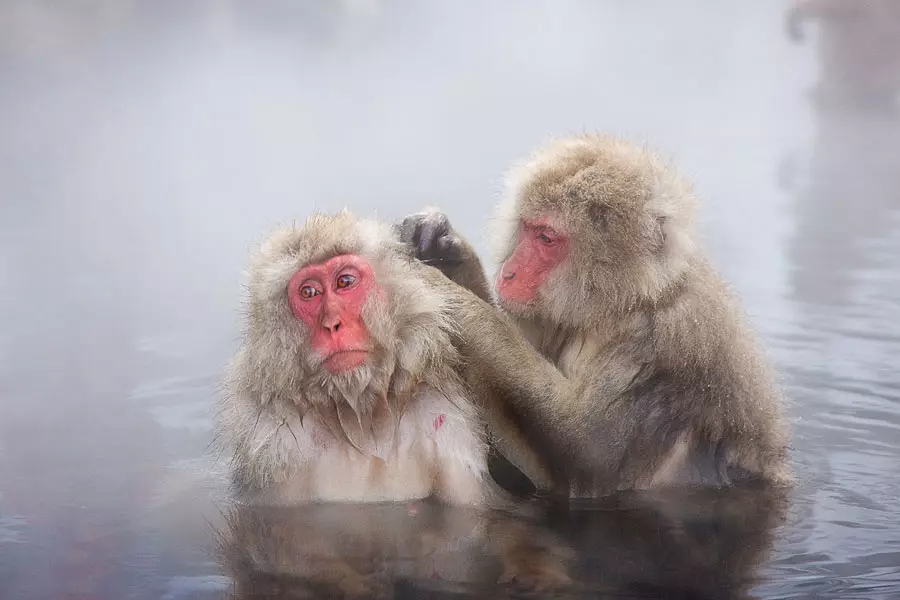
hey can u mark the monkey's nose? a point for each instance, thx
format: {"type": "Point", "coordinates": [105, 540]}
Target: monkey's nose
{"type": "Point", "coordinates": [332, 325]}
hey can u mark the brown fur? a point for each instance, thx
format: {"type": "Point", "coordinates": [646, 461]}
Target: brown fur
{"type": "Point", "coordinates": [648, 373]}
{"type": "Point", "coordinates": [297, 433]}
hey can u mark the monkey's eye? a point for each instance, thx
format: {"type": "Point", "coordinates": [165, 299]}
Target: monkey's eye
{"type": "Point", "coordinates": [345, 281]}
{"type": "Point", "coordinates": [545, 237]}
{"type": "Point", "coordinates": [308, 291]}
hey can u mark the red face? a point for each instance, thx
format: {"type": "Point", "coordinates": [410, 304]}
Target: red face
{"type": "Point", "coordinates": [329, 297]}
{"type": "Point", "coordinates": [539, 250]}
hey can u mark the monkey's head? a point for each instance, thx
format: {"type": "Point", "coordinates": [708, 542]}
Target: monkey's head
{"type": "Point", "coordinates": [591, 225]}
{"type": "Point", "coordinates": [336, 313]}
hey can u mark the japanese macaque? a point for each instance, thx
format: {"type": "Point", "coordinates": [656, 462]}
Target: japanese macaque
{"type": "Point", "coordinates": [348, 390]}
{"type": "Point", "coordinates": [636, 368]}
{"type": "Point", "coordinates": [346, 387]}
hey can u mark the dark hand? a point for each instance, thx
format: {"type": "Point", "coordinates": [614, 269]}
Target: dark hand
{"type": "Point", "coordinates": [436, 244]}
{"type": "Point", "coordinates": [432, 237]}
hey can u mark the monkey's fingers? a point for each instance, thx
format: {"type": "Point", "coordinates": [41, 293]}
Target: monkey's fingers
{"type": "Point", "coordinates": [408, 230]}
{"type": "Point", "coordinates": [431, 236]}
{"type": "Point", "coordinates": [434, 228]}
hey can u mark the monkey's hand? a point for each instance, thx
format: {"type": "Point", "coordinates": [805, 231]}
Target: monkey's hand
{"type": "Point", "coordinates": [433, 238]}
{"type": "Point", "coordinates": [436, 243]}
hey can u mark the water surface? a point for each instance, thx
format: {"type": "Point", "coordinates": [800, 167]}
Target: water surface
{"type": "Point", "coordinates": [147, 146]}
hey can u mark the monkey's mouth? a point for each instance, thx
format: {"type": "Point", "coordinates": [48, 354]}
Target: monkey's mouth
{"type": "Point", "coordinates": [345, 360]}
{"type": "Point", "coordinates": [515, 305]}
{"type": "Point", "coordinates": [512, 293]}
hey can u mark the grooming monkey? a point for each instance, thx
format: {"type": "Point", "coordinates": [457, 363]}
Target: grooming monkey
{"type": "Point", "coordinates": [639, 369]}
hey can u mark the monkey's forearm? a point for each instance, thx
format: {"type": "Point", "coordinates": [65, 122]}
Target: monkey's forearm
{"type": "Point", "coordinates": [509, 440]}
{"type": "Point", "coordinates": [572, 424]}
{"type": "Point", "coordinates": [559, 416]}
{"type": "Point", "coordinates": [467, 271]}
{"type": "Point", "coordinates": [436, 244]}
{"type": "Point", "coordinates": [573, 435]}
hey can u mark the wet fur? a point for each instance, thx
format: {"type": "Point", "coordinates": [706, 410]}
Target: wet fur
{"type": "Point", "coordinates": [297, 433]}
{"type": "Point", "coordinates": [648, 374]}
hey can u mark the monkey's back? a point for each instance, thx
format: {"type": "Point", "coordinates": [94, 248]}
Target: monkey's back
{"type": "Point", "coordinates": [714, 384]}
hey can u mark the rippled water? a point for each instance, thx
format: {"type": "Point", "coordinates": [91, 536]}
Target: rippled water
{"type": "Point", "coordinates": [146, 146]}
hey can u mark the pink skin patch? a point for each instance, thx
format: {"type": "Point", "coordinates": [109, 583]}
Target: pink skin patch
{"type": "Point", "coordinates": [328, 297]}
{"type": "Point", "coordinates": [439, 422]}
{"type": "Point", "coordinates": [540, 249]}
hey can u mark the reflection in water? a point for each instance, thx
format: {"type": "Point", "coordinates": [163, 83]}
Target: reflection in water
{"type": "Point", "coordinates": [365, 551]}
{"type": "Point", "coordinates": [704, 544]}
{"type": "Point", "coordinates": [146, 145]}
{"type": "Point", "coordinates": [698, 545]}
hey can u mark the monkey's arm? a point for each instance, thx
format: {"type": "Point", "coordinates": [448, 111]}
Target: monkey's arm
{"type": "Point", "coordinates": [577, 426]}
{"type": "Point", "coordinates": [436, 244]}
{"type": "Point", "coordinates": [503, 432]}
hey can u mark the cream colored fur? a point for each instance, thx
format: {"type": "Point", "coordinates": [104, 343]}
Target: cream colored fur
{"type": "Point", "coordinates": [402, 427]}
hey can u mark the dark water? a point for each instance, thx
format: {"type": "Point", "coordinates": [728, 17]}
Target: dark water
{"type": "Point", "coordinates": [146, 146]}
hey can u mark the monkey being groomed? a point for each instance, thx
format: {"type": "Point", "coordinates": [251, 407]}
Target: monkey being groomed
{"type": "Point", "coordinates": [348, 389]}
{"type": "Point", "coordinates": [345, 387]}
{"type": "Point", "coordinates": [618, 351]}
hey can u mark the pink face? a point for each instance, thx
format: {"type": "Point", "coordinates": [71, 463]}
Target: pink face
{"type": "Point", "coordinates": [539, 250]}
{"type": "Point", "coordinates": [328, 297]}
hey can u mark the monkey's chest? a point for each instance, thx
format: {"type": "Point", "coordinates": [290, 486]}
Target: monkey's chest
{"type": "Point", "coordinates": [429, 442]}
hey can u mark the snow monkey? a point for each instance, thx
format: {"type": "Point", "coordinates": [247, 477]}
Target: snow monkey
{"type": "Point", "coordinates": [348, 390]}
{"type": "Point", "coordinates": [618, 350]}
{"type": "Point", "coordinates": [347, 385]}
